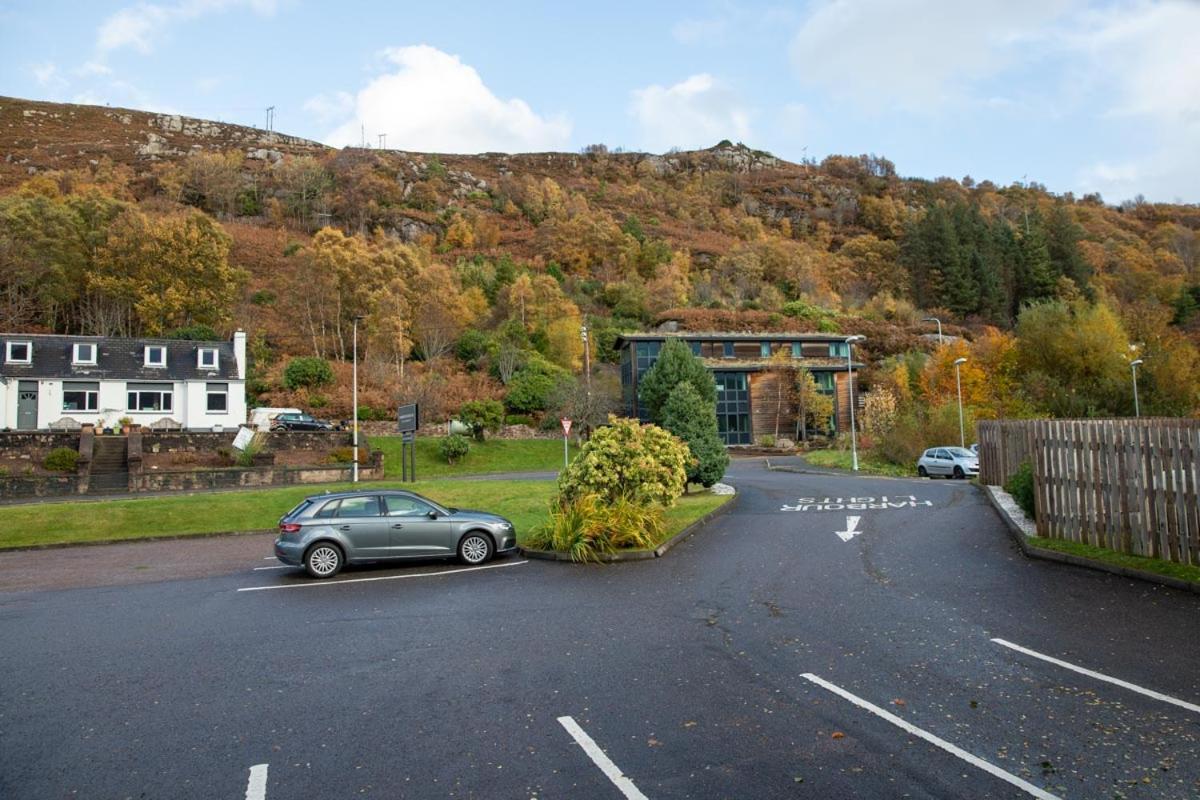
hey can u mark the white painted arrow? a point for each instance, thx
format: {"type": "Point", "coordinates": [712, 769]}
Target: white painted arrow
{"type": "Point", "coordinates": [850, 532]}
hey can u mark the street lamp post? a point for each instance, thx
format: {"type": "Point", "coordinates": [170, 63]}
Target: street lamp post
{"type": "Point", "coordinates": [962, 431]}
{"type": "Point", "coordinates": [587, 359]}
{"type": "Point", "coordinates": [1133, 365]}
{"type": "Point", "coordinates": [939, 324]}
{"type": "Point", "coordinates": [354, 379]}
{"type": "Point", "coordinates": [850, 340]}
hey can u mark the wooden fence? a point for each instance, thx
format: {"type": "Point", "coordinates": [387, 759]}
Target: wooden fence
{"type": "Point", "coordinates": [1127, 485]}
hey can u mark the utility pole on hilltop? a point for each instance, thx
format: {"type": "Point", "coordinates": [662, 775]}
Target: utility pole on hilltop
{"type": "Point", "coordinates": [270, 118]}
{"type": "Point", "coordinates": [382, 141]}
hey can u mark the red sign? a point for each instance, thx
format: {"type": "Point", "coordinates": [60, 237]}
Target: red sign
{"type": "Point", "coordinates": [566, 423]}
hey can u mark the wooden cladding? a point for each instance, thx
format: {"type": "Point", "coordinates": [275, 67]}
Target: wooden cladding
{"type": "Point", "coordinates": [1127, 485]}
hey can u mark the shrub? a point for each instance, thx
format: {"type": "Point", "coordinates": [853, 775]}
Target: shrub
{"type": "Point", "coordinates": [1020, 486]}
{"type": "Point", "coordinates": [534, 386]}
{"type": "Point", "coordinates": [766, 440]}
{"type": "Point", "coordinates": [342, 455]}
{"type": "Point", "coordinates": [675, 365]}
{"type": "Point", "coordinates": [196, 333]}
{"type": "Point", "coordinates": [453, 447]}
{"type": "Point", "coordinates": [519, 419]}
{"type": "Point", "coordinates": [317, 401]}
{"type": "Point", "coordinates": [626, 459]}
{"type": "Point", "coordinates": [588, 525]}
{"type": "Point", "coordinates": [245, 457]}
{"type": "Point", "coordinates": [694, 421]}
{"type": "Point", "coordinates": [482, 415]}
{"type": "Point", "coordinates": [61, 459]}
{"type": "Point", "coordinates": [472, 346]}
{"type": "Point", "coordinates": [307, 372]}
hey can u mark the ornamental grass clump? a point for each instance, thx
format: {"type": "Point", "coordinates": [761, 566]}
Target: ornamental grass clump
{"type": "Point", "coordinates": [588, 525]}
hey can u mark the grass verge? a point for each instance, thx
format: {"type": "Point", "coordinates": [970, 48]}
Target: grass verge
{"type": "Point", "coordinates": [524, 502]}
{"type": "Point", "coordinates": [867, 462]}
{"type": "Point", "coordinates": [689, 509]}
{"type": "Point", "coordinates": [492, 455]}
{"type": "Point", "coordinates": [1157, 566]}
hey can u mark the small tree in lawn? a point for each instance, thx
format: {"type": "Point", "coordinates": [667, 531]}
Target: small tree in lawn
{"type": "Point", "coordinates": [482, 415]}
{"type": "Point", "coordinates": [812, 405]}
{"type": "Point", "coordinates": [675, 365]}
{"type": "Point", "coordinates": [689, 417]}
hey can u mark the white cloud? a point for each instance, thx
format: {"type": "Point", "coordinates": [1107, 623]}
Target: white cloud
{"type": "Point", "coordinates": [916, 55]}
{"type": "Point", "coordinates": [47, 75]}
{"type": "Point", "coordinates": [696, 112]}
{"type": "Point", "coordinates": [141, 26]}
{"type": "Point", "coordinates": [433, 102]}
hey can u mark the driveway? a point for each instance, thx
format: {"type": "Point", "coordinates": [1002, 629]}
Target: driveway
{"type": "Point", "coordinates": [786, 651]}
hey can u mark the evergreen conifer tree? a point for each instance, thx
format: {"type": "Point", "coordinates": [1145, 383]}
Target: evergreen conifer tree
{"type": "Point", "coordinates": [694, 420]}
{"type": "Point", "coordinates": [675, 365]}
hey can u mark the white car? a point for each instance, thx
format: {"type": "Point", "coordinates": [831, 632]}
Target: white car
{"type": "Point", "coordinates": [948, 462]}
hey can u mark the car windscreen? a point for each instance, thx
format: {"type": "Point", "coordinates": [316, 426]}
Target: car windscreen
{"type": "Point", "coordinates": [960, 452]}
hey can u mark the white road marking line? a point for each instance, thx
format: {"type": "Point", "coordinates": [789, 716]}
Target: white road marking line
{"type": "Point", "coordinates": [975, 761]}
{"type": "Point", "coordinates": [279, 566]}
{"type": "Point", "coordinates": [1115, 681]}
{"type": "Point", "coordinates": [256, 787]}
{"type": "Point", "coordinates": [380, 578]}
{"type": "Point", "coordinates": [268, 558]}
{"type": "Point", "coordinates": [601, 760]}
{"type": "Point", "coordinates": [851, 529]}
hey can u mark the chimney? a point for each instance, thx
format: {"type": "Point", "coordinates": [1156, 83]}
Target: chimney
{"type": "Point", "coordinates": [239, 352]}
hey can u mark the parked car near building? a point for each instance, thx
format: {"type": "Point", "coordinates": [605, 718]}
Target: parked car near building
{"type": "Point", "coordinates": [299, 422]}
{"type": "Point", "coordinates": [948, 462]}
{"type": "Point", "coordinates": [326, 531]}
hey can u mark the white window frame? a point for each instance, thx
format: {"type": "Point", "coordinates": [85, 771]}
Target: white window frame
{"type": "Point", "coordinates": [160, 347]}
{"type": "Point", "coordinates": [211, 389]}
{"type": "Point", "coordinates": [216, 358]}
{"type": "Point", "coordinates": [8, 353]}
{"type": "Point", "coordinates": [91, 398]}
{"type": "Point", "coordinates": [167, 407]}
{"type": "Point", "coordinates": [76, 359]}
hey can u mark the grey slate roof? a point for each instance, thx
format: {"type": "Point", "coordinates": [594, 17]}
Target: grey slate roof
{"type": "Point", "coordinates": [116, 359]}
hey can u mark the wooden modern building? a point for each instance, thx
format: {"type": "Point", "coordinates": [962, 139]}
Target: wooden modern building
{"type": "Point", "coordinates": [747, 378]}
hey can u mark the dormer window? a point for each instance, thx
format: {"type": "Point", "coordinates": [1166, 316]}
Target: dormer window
{"type": "Point", "coordinates": [84, 354]}
{"type": "Point", "coordinates": [156, 355]}
{"type": "Point", "coordinates": [19, 353]}
{"type": "Point", "coordinates": [207, 358]}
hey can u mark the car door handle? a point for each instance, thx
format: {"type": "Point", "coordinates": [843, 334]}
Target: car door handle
{"type": "Point", "coordinates": [344, 528]}
{"type": "Point", "coordinates": [397, 525]}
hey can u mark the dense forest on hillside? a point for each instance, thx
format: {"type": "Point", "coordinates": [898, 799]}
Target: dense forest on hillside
{"type": "Point", "coordinates": [474, 274]}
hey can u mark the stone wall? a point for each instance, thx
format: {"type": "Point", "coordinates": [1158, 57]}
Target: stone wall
{"type": "Point", "coordinates": [207, 442]}
{"type": "Point", "coordinates": [207, 479]}
{"type": "Point", "coordinates": [34, 445]}
{"type": "Point", "coordinates": [13, 486]}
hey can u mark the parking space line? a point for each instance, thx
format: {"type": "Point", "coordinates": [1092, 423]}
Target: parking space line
{"type": "Point", "coordinates": [1100, 677]}
{"type": "Point", "coordinates": [601, 760]}
{"type": "Point", "coordinates": [256, 787]}
{"type": "Point", "coordinates": [278, 566]}
{"type": "Point", "coordinates": [312, 584]}
{"type": "Point", "coordinates": [953, 750]}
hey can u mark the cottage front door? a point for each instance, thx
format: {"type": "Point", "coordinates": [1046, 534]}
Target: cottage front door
{"type": "Point", "coordinates": [27, 400]}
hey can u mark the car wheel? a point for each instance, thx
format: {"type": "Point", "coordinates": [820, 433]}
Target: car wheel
{"type": "Point", "coordinates": [924, 473]}
{"type": "Point", "coordinates": [277, 428]}
{"type": "Point", "coordinates": [323, 560]}
{"type": "Point", "coordinates": [475, 548]}
{"type": "Point", "coordinates": [959, 474]}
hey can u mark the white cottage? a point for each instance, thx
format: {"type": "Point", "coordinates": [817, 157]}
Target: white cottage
{"type": "Point", "coordinates": [65, 381]}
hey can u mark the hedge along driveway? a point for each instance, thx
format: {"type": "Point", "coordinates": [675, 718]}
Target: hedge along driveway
{"type": "Point", "coordinates": [524, 502]}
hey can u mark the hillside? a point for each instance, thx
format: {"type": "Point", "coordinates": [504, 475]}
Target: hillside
{"type": "Point", "coordinates": [485, 266]}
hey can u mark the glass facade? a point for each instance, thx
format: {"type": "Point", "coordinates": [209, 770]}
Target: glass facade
{"type": "Point", "coordinates": [733, 407]}
{"type": "Point", "coordinates": [647, 354]}
{"type": "Point", "coordinates": [627, 380]}
{"type": "Point", "coordinates": [839, 350]}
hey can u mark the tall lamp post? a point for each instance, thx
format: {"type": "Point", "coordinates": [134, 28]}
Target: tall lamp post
{"type": "Point", "coordinates": [354, 379]}
{"type": "Point", "coordinates": [850, 340]}
{"type": "Point", "coordinates": [587, 359]}
{"type": "Point", "coordinates": [1133, 365]}
{"type": "Point", "coordinates": [962, 431]}
{"type": "Point", "coordinates": [939, 324]}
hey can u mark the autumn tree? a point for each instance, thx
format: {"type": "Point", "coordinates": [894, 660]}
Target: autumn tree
{"type": "Point", "coordinates": [814, 408]}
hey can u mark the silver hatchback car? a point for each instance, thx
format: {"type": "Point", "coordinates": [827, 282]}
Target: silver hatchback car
{"type": "Point", "coordinates": [948, 462]}
{"type": "Point", "coordinates": [326, 531]}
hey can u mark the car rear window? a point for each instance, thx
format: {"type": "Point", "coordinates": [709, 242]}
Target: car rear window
{"type": "Point", "coordinates": [328, 510]}
{"type": "Point", "coordinates": [298, 510]}
{"type": "Point", "coordinates": [359, 507]}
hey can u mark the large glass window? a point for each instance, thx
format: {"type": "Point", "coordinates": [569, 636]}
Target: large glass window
{"type": "Point", "coordinates": [733, 407]}
{"type": "Point", "coordinates": [149, 396]}
{"type": "Point", "coordinates": [647, 354]}
{"type": "Point", "coordinates": [839, 350]}
{"type": "Point", "coordinates": [217, 397]}
{"type": "Point", "coordinates": [81, 396]}
{"type": "Point", "coordinates": [627, 379]}
{"type": "Point", "coordinates": [825, 381]}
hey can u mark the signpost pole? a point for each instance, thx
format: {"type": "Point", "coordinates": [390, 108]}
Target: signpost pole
{"type": "Point", "coordinates": [566, 426]}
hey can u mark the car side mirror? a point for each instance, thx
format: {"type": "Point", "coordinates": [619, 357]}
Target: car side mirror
{"type": "Point", "coordinates": [432, 515]}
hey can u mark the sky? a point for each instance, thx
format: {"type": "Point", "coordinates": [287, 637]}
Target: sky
{"type": "Point", "coordinates": [1078, 96]}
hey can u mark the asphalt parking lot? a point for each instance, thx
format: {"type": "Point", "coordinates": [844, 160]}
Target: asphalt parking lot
{"type": "Point", "coordinates": [788, 650]}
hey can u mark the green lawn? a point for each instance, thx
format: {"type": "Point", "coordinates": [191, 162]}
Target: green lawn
{"type": "Point", "coordinates": [492, 455]}
{"type": "Point", "coordinates": [867, 462]}
{"type": "Point", "coordinates": [523, 502]}
{"type": "Point", "coordinates": [1154, 565]}
{"type": "Point", "coordinates": [691, 508]}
